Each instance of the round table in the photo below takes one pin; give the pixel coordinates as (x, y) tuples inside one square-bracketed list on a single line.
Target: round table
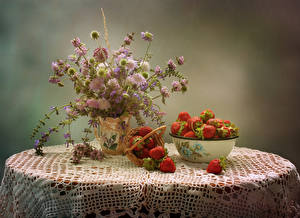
[(255, 184)]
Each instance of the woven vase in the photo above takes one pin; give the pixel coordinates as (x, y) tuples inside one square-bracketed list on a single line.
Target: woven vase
[(112, 133)]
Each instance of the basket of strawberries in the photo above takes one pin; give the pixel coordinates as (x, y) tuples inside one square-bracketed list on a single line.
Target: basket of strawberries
[(141, 140), (145, 148), (203, 138)]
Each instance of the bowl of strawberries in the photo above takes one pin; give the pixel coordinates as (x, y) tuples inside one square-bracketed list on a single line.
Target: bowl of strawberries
[(203, 138)]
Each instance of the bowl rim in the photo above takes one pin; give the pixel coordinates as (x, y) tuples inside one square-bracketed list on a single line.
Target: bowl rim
[(198, 139)]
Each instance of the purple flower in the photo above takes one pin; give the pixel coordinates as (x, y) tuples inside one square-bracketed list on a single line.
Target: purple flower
[(144, 86), (145, 66), (157, 70), (84, 71), (72, 58), (147, 36), (36, 143), (100, 54), (68, 142), (52, 108), (161, 113), (117, 71), (104, 104), (123, 50), (76, 42), (96, 155), (93, 123), (137, 96), (67, 135), (60, 62), (165, 92), (85, 63), (146, 101), (180, 60), (54, 79), (136, 79), (96, 84), (131, 64), (44, 136), (112, 93), (93, 154), (119, 99), (70, 111), (66, 67), (119, 58), (113, 83), (184, 82), (93, 103), (127, 41), (171, 64), (81, 51), (55, 67), (176, 86), (81, 105)]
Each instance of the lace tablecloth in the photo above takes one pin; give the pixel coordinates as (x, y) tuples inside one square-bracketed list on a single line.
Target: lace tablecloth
[(255, 184)]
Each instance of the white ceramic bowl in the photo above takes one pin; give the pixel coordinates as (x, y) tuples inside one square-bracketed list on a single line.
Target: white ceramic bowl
[(196, 150)]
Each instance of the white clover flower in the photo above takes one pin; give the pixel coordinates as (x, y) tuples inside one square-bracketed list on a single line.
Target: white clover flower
[(145, 66)]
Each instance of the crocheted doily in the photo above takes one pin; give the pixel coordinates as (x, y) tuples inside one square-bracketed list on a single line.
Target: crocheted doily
[(255, 184)]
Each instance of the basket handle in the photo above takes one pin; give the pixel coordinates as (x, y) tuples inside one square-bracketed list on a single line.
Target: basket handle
[(162, 130)]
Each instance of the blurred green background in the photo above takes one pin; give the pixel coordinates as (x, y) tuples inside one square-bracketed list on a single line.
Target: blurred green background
[(242, 60)]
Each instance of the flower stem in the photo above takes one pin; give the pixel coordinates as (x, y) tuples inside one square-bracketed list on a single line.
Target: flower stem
[(156, 97), (147, 50)]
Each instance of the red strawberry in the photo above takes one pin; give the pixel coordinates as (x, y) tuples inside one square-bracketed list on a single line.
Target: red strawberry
[(223, 132), (145, 153), (175, 127), (167, 165), (134, 140), (227, 123), (207, 114), (183, 116), (179, 128), (138, 154), (194, 122), (150, 143), (157, 153), (190, 134), (218, 123), (144, 130), (206, 131), (184, 128), (216, 166)]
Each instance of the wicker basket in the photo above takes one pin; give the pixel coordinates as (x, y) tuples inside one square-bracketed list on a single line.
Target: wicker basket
[(156, 134)]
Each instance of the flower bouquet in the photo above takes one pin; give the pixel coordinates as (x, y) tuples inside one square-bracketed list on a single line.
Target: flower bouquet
[(112, 87)]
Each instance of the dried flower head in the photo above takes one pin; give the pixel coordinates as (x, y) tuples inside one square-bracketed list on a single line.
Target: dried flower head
[(95, 34), (147, 36), (100, 54)]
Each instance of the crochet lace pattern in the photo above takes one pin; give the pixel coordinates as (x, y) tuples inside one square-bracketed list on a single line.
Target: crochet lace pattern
[(255, 184)]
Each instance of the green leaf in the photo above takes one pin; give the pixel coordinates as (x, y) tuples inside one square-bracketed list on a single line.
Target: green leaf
[(114, 146), (223, 162), (114, 137)]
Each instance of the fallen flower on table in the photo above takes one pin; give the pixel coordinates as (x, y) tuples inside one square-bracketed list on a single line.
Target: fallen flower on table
[(85, 150)]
